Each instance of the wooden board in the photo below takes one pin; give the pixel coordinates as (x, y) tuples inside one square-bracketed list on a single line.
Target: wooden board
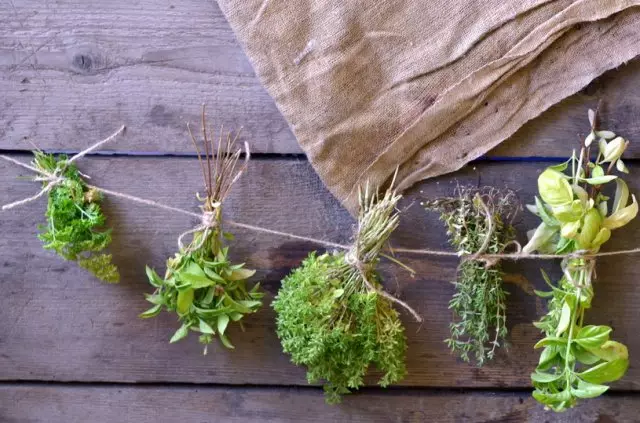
[(57, 323), (71, 72), (150, 404)]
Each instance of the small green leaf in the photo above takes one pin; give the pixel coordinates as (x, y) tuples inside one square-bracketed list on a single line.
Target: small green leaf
[(205, 328), (548, 220), (154, 279), (550, 340), (236, 316), (225, 341), (182, 332), (588, 390), (223, 321), (194, 275), (599, 180), (229, 236), (153, 311), (584, 356), (593, 336), (213, 276), (608, 371), (611, 350), (251, 304), (597, 172), (543, 294), (565, 319), (337, 293), (545, 377), (241, 274), (185, 299)]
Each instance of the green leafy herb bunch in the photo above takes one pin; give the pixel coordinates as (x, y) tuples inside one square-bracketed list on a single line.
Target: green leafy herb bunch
[(201, 285), (478, 221), (332, 316), (577, 360), (75, 221)]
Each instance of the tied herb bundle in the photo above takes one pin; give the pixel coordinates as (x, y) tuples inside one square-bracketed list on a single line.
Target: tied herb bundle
[(577, 359), (74, 218), (478, 221), (332, 316), (201, 285)]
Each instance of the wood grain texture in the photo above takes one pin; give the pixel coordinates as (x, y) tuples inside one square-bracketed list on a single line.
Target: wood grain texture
[(57, 323), (63, 404), (72, 71)]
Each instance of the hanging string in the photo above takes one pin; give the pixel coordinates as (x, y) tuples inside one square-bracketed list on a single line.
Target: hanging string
[(54, 179)]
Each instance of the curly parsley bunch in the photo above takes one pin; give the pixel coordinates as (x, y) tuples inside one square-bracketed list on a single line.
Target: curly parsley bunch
[(577, 360), (75, 219), (201, 285), (331, 316)]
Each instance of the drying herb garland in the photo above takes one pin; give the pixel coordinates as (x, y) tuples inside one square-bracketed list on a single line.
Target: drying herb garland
[(478, 221), (331, 316), (201, 285), (75, 219), (577, 359)]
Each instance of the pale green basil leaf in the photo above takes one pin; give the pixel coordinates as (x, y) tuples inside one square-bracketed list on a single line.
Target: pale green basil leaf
[(602, 237), (545, 377), (550, 340), (223, 321), (608, 371), (611, 350), (569, 212), (614, 149), (548, 220), (153, 277), (597, 172), (588, 390), (583, 355), (599, 180), (194, 275), (565, 319), (225, 341), (241, 274), (205, 327), (622, 216), (621, 198), (533, 209), (607, 135), (153, 311), (181, 333), (593, 336), (589, 139), (621, 166), (541, 235), (554, 188), (590, 228), (603, 208), (185, 299)]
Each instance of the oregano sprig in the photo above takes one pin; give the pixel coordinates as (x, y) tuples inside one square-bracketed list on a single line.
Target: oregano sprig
[(333, 318), (75, 221), (202, 285), (578, 360), (478, 221)]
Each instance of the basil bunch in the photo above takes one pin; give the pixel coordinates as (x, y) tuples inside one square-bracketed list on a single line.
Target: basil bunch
[(578, 360)]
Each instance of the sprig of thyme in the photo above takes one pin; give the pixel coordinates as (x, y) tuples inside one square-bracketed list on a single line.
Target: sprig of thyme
[(577, 359), (331, 320), (75, 219), (478, 219), (201, 285)]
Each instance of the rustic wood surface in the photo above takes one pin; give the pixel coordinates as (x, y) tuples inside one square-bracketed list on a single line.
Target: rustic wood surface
[(73, 350), (72, 71), (150, 404)]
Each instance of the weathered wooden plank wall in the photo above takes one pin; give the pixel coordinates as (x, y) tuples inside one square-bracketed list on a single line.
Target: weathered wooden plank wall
[(72, 71)]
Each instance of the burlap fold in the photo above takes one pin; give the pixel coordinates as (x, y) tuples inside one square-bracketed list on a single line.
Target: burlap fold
[(421, 84)]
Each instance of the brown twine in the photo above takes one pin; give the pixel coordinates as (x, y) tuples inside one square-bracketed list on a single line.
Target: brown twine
[(207, 223)]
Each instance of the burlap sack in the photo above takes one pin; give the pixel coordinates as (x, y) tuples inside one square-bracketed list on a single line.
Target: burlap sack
[(421, 84)]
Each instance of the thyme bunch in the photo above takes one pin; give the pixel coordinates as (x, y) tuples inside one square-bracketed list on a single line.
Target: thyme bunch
[(331, 316), (578, 360), (75, 221), (478, 220), (202, 285)]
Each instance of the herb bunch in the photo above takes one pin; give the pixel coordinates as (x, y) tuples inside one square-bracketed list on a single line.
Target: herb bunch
[(75, 219), (331, 317), (201, 284), (578, 360), (478, 221)]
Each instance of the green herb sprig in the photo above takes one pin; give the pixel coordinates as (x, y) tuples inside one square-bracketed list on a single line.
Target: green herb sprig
[(577, 219), (201, 284), (331, 320), (478, 219), (75, 219)]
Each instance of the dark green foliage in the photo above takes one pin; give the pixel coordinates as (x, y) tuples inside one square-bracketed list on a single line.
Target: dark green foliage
[(74, 219), (479, 304), (332, 324)]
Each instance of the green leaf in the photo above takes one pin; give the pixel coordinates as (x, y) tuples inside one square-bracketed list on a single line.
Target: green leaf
[(565, 319), (543, 294), (584, 356), (154, 279), (560, 167), (153, 311), (241, 274), (236, 316), (597, 172), (251, 304), (608, 371), (545, 377), (223, 321), (550, 340), (611, 350), (548, 220), (213, 275), (229, 236), (593, 336), (588, 390), (182, 332), (205, 328), (225, 341), (208, 298), (185, 299), (154, 299), (194, 275), (599, 180), (548, 354)]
